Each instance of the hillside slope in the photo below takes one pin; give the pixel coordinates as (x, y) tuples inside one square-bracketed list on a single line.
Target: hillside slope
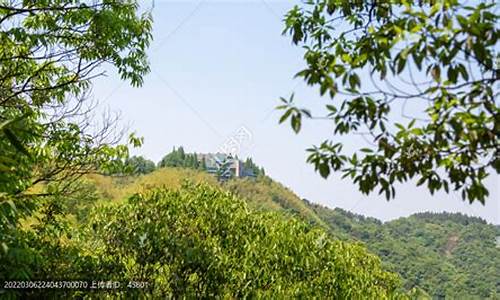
[(265, 194), (199, 241), (182, 240), (261, 193), (449, 255), (446, 255)]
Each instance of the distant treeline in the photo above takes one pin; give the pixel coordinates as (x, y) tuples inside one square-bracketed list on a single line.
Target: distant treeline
[(178, 157), (447, 255)]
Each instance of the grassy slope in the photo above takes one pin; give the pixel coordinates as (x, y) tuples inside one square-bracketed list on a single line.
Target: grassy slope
[(118, 188), (260, 194), (266, 194)]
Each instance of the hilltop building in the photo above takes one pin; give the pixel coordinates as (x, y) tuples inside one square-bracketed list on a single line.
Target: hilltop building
[(224, 166), (221, 165)]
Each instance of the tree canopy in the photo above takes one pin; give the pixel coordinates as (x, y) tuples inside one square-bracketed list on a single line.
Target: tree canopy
[(179, 158), (370, 57), (140, 165), (200, 241), (51, 50), (447, 255)]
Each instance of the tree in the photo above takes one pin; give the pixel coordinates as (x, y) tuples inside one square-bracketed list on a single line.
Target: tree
[(140, 165), (249, 165), (173, 159), (447, 255), (371, 57), (50, 51), (203, 164)]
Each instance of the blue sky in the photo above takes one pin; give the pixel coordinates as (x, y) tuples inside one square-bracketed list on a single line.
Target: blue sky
[(221, 66)]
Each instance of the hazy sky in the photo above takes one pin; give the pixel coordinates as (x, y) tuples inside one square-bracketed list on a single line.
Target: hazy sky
[(219, 67)]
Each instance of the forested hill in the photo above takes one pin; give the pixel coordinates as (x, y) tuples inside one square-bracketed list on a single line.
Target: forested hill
[(444, 254), (449, 255)]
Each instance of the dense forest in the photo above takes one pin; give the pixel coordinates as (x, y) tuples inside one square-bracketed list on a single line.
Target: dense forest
[(184, 234), (444, 255), (438, 255), (448, 255)]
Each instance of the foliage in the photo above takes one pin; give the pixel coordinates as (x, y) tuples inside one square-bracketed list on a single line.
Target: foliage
[(220, 166), (248, 164), (370, 57), (261, 194), (193, 241), (96, 234), (50, 51), (435, 253), (447, 255), (178, 158), (264, 194), (140, 165), (119, 188), (201, 241)]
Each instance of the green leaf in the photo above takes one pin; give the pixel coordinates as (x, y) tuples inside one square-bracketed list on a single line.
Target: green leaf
[(285, 116), (296, 123), (401, 65), (354, 81), (462, 21), (5, 123), (324, 170), (15, 142)]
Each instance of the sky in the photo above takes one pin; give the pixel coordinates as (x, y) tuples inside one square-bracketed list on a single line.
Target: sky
[(218, 69)]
